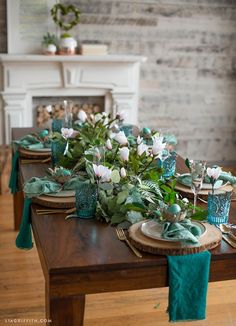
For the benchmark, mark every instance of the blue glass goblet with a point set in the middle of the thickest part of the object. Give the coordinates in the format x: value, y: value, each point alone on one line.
x: 58, y: 149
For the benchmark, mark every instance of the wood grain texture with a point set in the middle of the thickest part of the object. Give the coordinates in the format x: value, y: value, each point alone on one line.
x: 24, y: 153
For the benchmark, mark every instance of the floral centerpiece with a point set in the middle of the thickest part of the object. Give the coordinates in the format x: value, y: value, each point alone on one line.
x: 124, y: 169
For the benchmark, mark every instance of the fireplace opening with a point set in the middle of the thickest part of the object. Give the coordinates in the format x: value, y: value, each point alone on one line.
x: 45, y: 109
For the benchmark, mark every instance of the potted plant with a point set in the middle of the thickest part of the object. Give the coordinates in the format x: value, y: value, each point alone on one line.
x: 50, y: 44
x: 66, y: 17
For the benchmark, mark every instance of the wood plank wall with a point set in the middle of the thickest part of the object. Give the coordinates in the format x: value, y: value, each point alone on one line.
x: 188, y: 85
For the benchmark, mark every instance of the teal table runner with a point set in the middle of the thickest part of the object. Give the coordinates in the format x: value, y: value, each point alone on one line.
x: 188, y: 283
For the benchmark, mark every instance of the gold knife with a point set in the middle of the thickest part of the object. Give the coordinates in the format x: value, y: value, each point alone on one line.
x: 229, y: 241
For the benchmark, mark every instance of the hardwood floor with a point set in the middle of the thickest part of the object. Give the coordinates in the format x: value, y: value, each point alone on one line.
x: 22, y: 292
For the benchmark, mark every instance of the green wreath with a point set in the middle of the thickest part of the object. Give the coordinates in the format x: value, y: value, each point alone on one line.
x: 64, y: 10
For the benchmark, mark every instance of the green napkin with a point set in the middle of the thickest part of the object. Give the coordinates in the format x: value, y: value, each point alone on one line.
x: 38, y: 186
x: 184, y: 231
x: 29, y: 142
x: 24, y: 238
x: 13, y: 182
x: 185, y: 179
x: 188, y: 282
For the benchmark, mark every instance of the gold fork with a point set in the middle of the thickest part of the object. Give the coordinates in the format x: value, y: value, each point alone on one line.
x: 122, y: 237
x: 55, y: 211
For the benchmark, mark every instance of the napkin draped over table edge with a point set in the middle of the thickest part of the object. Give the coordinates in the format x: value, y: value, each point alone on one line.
x: 24, y: 237
x: 28, y: 142
x: 188, y: 283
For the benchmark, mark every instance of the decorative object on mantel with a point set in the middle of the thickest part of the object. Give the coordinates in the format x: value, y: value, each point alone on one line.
x: 66, y: 17
x: 50, y: 44
x: 93, y: 49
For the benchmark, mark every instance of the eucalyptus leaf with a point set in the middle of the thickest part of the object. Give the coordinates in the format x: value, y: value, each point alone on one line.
x: 115, y: 176
x: 106, y: 186
x: 134, y: 217
x: 121, y: 197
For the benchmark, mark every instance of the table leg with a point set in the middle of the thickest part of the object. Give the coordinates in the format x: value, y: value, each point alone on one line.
x: 65, y: 311
x: 18, y: 203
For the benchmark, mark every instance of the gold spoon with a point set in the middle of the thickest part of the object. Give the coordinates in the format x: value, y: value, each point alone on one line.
x: 226, y: 230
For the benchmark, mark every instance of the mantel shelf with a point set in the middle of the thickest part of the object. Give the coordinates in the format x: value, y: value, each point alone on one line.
x: 70, y: 58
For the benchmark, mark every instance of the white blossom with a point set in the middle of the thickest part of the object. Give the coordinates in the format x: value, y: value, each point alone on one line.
x: 102, y: 173
x: 214, y: 173
x: 139, y: 140
x: 121, y: 138
x: 142, y: 148
x: 124, y: 154
x: 121, y: 115
x: 68, y: 133
x: 158, y: 146
x: 108, y: 144
x: 123, y: 172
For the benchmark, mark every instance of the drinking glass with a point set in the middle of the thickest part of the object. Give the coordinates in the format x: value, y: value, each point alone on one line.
x: 86, y: 200
x: 58, y: 149
x: 197, y: 172
x: 57, y: 124
x: 68, y: 120
x: 169, y: 165
x: 218, y: 207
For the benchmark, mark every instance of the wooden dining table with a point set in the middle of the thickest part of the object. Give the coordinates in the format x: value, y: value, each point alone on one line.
x: 84, y: 256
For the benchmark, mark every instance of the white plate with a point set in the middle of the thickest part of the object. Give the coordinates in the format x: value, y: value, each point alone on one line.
x: 153, y: 229
x: 205, y: 186
x: 45, y: 149
x: 62, y: 193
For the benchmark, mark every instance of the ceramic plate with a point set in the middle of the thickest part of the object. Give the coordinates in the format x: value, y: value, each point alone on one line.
x: 205, y: 186
x: 153, y: 229
x: 62, y: 193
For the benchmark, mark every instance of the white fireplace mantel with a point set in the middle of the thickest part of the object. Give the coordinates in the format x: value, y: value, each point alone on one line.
x: 116, y: 77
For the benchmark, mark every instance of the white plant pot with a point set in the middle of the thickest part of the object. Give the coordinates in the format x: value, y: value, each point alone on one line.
x: 51, y: 49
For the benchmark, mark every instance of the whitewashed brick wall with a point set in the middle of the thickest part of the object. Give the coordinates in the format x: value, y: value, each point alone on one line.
x: 188, y: 85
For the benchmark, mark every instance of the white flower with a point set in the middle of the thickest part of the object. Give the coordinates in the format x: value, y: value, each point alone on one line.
x: 139, y: 140
x: 142, y: 148
x: 124, y: 154
x: 121, y: 115
x: 122, y: 172
x: 185, y: 200
x: 82, y: 116
x: 121, y: 138
x: 108, y: 144
x: 214, y: 173
x: 67, y: 132
x: 158, y: 146
x: 102, y: 173
x: 157, y: 138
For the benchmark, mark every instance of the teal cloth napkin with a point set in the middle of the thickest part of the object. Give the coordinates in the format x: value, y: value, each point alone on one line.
x: 39, y: 186
x: 185, y: 179
x: 188, y: 282
x: 184, y: 231
x: 13, y: 182
x: 30, y: 142
x: 24, y: 238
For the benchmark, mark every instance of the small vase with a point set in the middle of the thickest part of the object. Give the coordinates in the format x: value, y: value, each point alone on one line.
x: 218, y: 207
x: 67, y: 46
x: 51, y: 49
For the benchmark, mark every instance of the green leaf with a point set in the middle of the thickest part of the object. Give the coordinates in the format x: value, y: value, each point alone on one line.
x: 200, y: 216
x: 115, y: 176
x: 134, y: 217
x: 117, y: 218
x: 137, y: 207
x: 106, y: 186
x: 121, y: 197
x: 166, y: 189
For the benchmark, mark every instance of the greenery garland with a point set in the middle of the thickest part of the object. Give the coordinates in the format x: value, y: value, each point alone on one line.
x: 64, y: 10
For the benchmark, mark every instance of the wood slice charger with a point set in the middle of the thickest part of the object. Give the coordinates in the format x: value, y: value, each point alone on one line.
x: 209, y: 240
x: 55, y: 202
x: 31, y: 154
